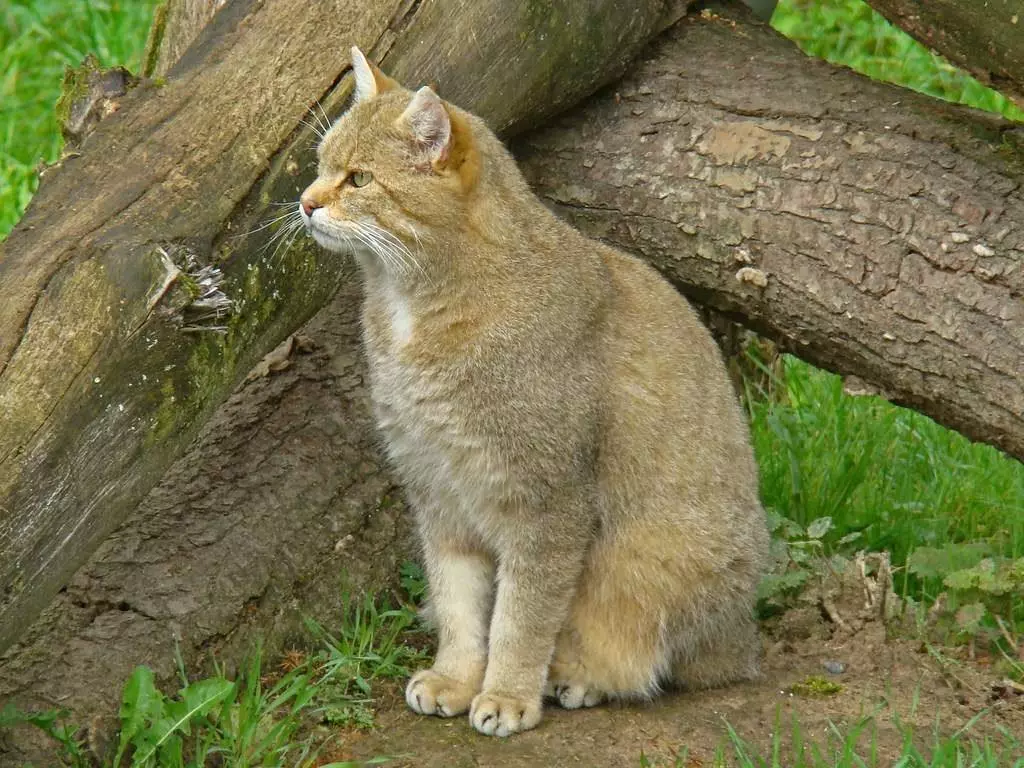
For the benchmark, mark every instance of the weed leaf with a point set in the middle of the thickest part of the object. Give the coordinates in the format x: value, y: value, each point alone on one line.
x: 196, y: 700
x: 818, y: 528
x: 140, y: 702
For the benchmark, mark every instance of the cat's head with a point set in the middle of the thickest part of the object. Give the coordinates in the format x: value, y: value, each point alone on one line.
x: 395, y: 169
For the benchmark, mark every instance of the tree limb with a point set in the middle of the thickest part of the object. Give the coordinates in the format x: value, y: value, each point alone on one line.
x: 986, y: 39
x: 870, y: 230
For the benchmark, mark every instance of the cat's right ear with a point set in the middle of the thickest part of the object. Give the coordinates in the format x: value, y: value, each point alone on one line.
x: 370, y: 81
x: 430, y: 124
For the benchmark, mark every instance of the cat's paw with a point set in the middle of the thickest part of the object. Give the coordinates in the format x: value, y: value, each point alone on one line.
x: 576, y: 696
x: 568, y: 685
x: 430, y: 693
x: 494, y: 714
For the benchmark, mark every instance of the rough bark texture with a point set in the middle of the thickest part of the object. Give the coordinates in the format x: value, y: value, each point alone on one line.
x: 110, y: 355
x: 986, y: 39
x: 176, y: 25
x: 872, y: 231
x: 281, y: 504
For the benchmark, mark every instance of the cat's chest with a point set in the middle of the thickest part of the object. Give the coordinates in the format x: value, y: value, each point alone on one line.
x: 432, y: 432
x: 430, y: 415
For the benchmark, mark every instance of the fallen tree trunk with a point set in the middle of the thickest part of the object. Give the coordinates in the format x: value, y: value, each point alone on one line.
x: 986, y: 39
x: 870, y: 230
x: 131, y: 308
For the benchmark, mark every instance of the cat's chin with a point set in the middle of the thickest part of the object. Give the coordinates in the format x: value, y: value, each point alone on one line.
x: 329, y: 242
x: 365, y: 257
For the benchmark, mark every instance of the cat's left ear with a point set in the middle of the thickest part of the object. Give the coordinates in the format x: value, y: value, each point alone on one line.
x: 430, y: 124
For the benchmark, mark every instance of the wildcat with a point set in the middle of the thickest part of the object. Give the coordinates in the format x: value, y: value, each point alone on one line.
x: 579, y: 468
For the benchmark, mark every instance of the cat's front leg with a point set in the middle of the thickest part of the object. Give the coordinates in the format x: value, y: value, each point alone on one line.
x: 537, y: 576
x: 460, y: 578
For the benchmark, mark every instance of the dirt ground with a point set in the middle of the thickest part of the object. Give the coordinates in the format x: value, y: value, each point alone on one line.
x: 890, y: 677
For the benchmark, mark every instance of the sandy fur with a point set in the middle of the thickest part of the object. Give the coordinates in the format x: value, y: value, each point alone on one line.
x: 579, y: 467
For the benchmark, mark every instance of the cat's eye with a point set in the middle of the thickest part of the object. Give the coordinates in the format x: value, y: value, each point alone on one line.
x: 360, y: 178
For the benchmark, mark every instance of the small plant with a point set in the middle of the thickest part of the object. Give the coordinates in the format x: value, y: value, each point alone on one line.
x: 155, y: 726
x: 797, y: 554
x: 816, y: 687
x: 855, y: 745
x: 263, y: 718
x: 72, y: 752
x: 982, y: 597
x: 413, y: 581
x: 368, y: 644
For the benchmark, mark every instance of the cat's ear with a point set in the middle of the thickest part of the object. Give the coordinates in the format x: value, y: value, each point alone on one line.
x: 370, y: 81
x: 430, y: 124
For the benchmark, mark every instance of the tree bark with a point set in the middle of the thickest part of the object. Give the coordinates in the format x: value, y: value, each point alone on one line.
x: 176, y: 25
x: 280, y: 506
x: 132, y: 307
x: 986, y: 39
x: 870, y: 230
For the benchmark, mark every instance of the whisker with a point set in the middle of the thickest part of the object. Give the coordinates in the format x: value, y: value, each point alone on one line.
x: 278, y: 238
x: 327, y: 120
x: 318, y: 130
x: 290, y: 232
x: 403, y: 252
x: 267, y: 224
x: 376, y: 247
x: 383, y: 247
x: 291, y: 240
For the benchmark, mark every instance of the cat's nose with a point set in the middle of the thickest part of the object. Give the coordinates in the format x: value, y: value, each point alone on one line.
x: 308, y: 205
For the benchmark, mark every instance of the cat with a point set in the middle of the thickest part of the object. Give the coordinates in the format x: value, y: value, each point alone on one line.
x: 579, y: 468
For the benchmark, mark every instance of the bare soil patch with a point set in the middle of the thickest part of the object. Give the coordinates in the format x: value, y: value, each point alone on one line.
x: 896, y: 679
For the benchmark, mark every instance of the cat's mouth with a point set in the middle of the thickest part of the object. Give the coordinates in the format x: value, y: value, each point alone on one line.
x: 320, y: 231
x: 362, y: 239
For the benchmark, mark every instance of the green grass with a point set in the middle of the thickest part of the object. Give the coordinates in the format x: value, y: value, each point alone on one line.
x: 890, y: 474
x: 38, y: 38
x: 286, y: 716
x: 856, y: 746
x: 858, y: 473
x: 851, y: 33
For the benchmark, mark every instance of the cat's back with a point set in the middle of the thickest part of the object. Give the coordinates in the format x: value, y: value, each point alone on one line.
x: 671, y: 411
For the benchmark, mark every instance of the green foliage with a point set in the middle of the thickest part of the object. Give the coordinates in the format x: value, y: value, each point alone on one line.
x: 884, y: 477
x: 982, y: 595
x: 413, y: 581
x: 855, y: 745
x: 155, y: 726
x: 38, y: 39
x: 796, y: 552
x: 851, y: 33
x: 815, y: 687
x: 260, y: 719
x: 367, y: 647
x: 71, y: 752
